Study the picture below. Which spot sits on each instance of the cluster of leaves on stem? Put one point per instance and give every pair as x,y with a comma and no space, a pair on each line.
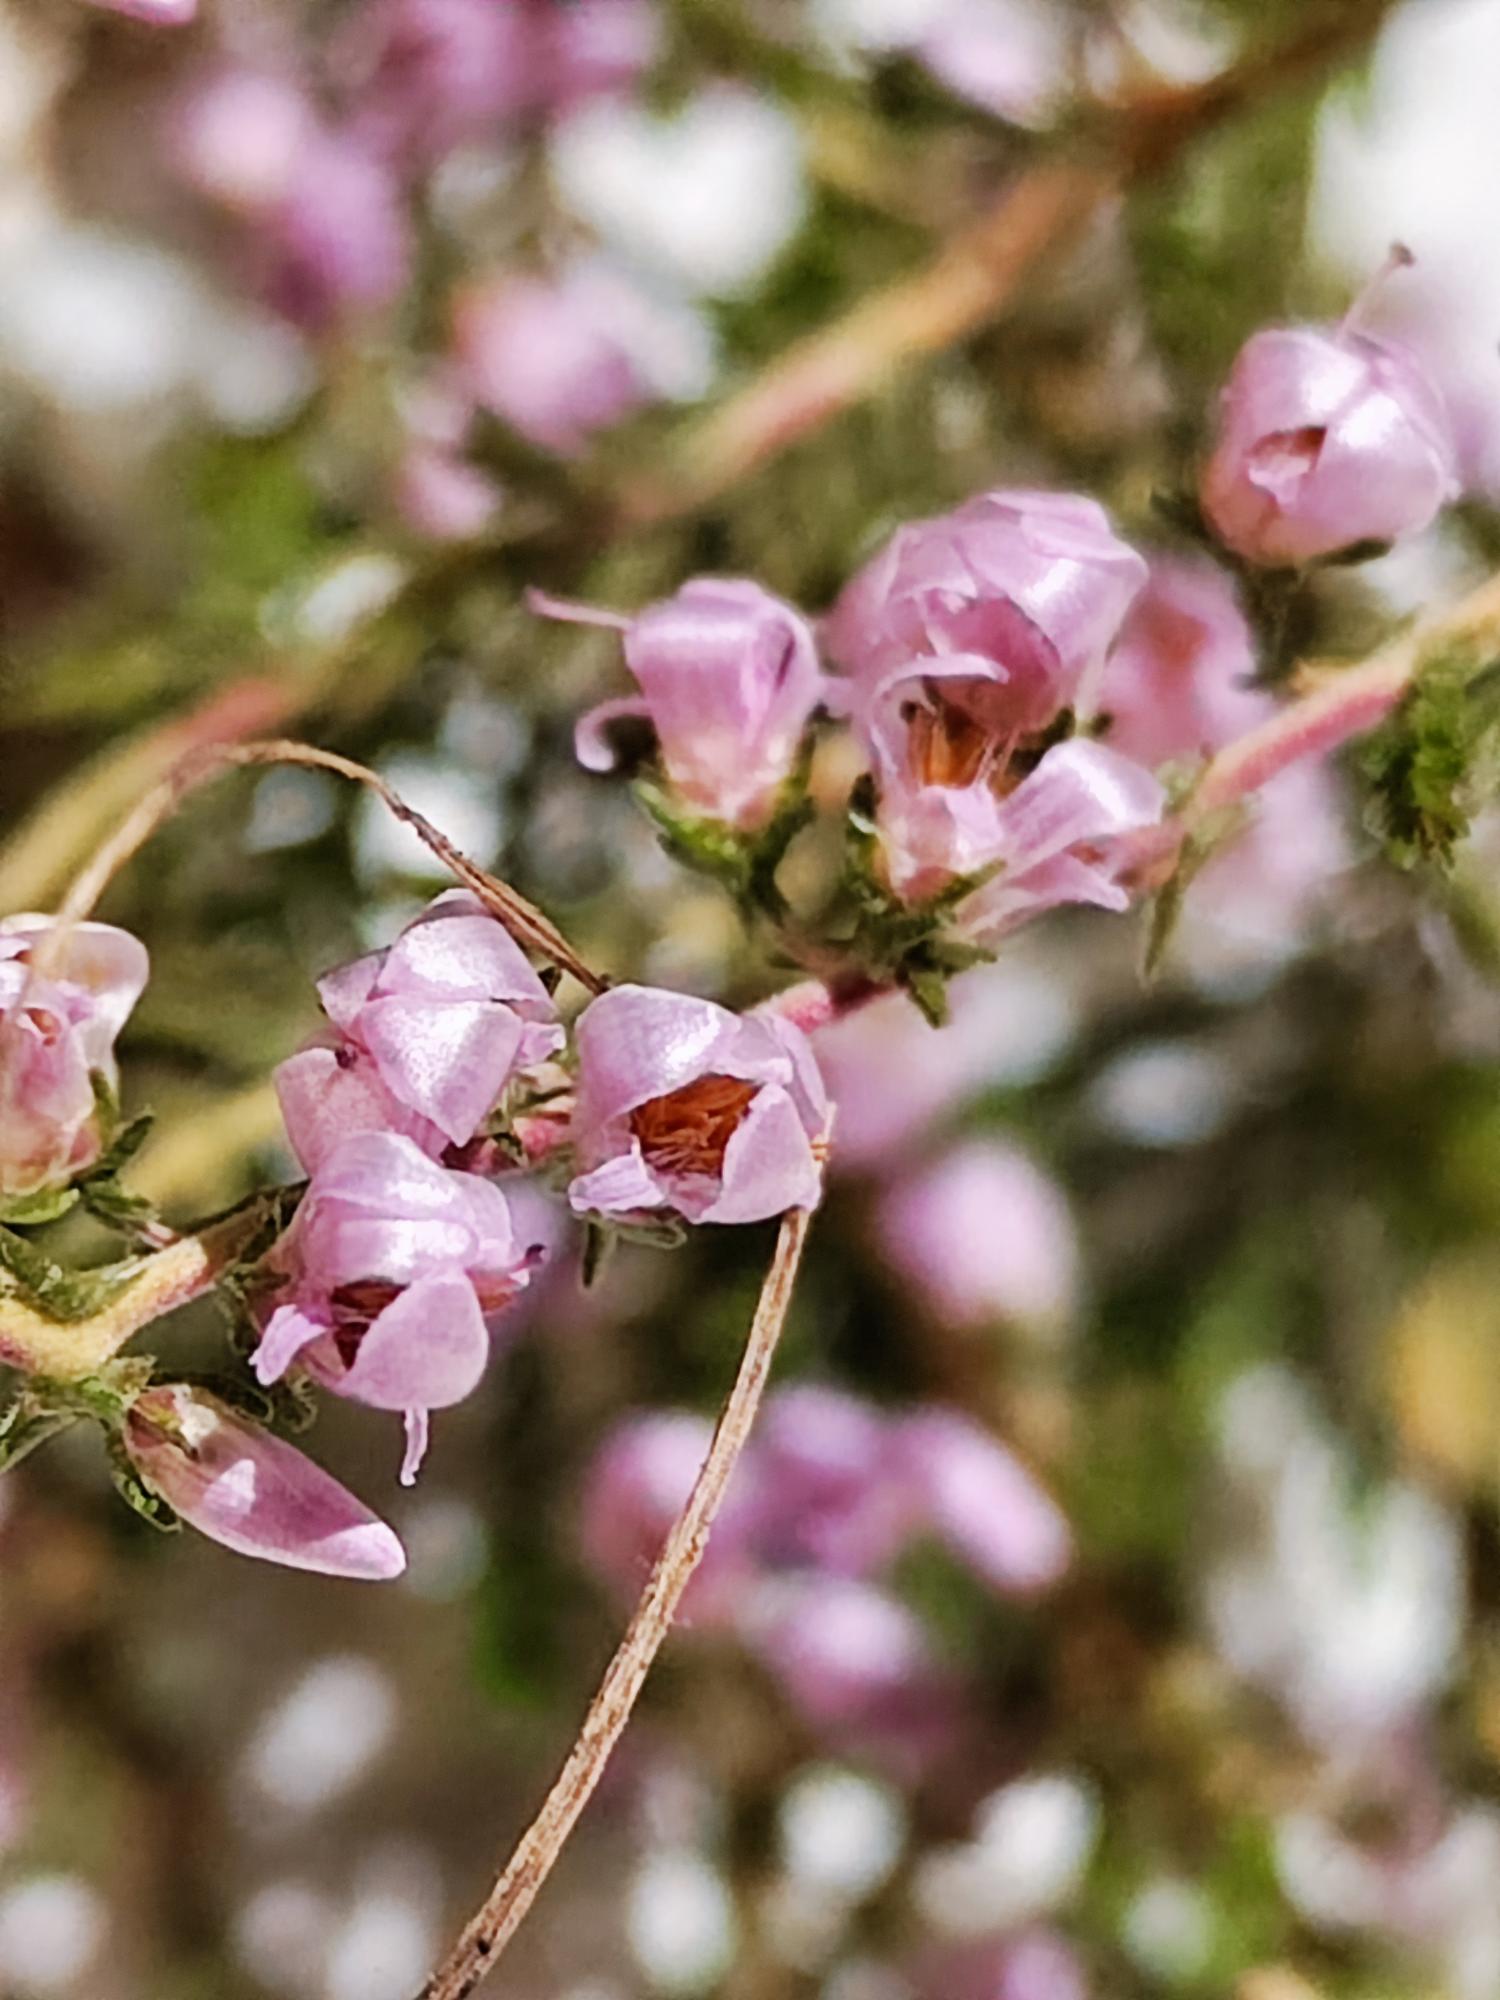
1435,761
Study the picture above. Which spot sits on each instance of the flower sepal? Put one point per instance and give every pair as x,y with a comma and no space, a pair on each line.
744,861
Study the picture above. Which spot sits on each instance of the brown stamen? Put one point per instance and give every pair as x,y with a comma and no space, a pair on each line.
688,1130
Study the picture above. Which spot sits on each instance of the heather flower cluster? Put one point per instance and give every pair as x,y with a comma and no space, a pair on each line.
830,1496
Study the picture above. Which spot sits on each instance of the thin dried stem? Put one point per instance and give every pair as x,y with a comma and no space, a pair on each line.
971,279
525,922
498,1917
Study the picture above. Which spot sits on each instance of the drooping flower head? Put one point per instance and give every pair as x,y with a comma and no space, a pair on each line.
729,679
684,1106
391,1265
426,1035
1017,596
1328,438
57,1033
239,1485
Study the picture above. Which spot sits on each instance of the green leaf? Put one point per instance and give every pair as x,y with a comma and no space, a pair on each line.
31,1211
1435,761
136,1494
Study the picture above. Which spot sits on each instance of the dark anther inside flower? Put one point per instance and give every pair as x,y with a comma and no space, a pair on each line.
688,1131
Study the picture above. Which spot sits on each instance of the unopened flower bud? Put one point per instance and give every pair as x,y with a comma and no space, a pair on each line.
729,679
1328,438
239,1485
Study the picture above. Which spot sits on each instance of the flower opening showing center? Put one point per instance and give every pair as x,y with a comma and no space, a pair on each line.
1280,462
688,1130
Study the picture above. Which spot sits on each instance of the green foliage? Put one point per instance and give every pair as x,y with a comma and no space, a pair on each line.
1435,762
746,863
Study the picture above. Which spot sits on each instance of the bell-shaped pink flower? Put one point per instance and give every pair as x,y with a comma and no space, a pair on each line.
1030,588
429,1031
980,1500
685,1106
56,1032
852,1658
557,357
239,1485
729,679
1061,836
1327,438
983,1236
392,1263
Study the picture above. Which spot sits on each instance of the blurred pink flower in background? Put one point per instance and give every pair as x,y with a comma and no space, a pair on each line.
57,1033
557,356
1327,438
1178,687
729,679
685,1106
160,13
238,135
419,77
239,1485
392,1263
983,1236
339,242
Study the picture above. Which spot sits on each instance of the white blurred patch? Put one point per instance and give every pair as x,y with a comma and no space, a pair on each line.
679,1918
1032,1843
460,802
290,807
1344,1603
281,1935
706,196
446,1549
1168,1929
1164,1094
346,595
385,1945
841,1833
51,1930
317,1742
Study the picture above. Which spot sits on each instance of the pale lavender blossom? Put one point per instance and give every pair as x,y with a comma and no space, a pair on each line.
57,1033
849,1655
238,136
683,1106
557,357
823,1495
983,1236
1028,589
1328,438
729,678
239,1485
636,1487
594,48
429,1033
390,1267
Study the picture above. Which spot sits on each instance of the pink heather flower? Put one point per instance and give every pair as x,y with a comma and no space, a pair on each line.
420,77
982,1235
729,678
392,1263
239,1485
983,1502
1028,589
685,1106
1061,836
1009,57
556,357
56,1033
1327,438
338,244
430,1031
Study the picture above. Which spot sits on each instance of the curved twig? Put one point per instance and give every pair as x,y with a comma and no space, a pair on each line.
491,1927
